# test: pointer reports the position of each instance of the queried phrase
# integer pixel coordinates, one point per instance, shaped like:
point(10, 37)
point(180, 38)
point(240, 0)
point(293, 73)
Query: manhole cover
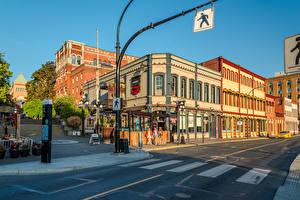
point(64, 142)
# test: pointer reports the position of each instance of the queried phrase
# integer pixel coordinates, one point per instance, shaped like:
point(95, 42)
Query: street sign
point(204, 20)
point(239, 123)
point(117, 104)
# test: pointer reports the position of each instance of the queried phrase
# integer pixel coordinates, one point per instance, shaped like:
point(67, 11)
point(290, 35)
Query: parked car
point(284, 134)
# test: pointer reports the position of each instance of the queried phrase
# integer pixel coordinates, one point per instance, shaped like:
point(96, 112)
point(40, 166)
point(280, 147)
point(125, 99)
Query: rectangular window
point(218, 95)
point(289, 90)
point(174, 86)
point(199, 90)
point(158, 82)
point(206, 92)
point(298, 89)
point(183, 88)
point(213, 94)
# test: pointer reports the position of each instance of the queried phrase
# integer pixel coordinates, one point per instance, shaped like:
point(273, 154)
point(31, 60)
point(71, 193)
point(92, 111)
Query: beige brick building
point(18, 89)
point(153, 86)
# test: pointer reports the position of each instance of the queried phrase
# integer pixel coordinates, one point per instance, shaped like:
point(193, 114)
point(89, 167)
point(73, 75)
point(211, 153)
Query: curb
point(201, 144)
point(101, 160)
point(290, 190)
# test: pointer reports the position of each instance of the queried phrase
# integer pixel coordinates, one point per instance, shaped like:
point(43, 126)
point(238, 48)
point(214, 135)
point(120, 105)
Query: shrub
point(74, 122)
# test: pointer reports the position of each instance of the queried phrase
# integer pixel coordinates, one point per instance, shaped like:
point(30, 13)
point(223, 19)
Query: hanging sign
point(135, 85)
point(204, 20)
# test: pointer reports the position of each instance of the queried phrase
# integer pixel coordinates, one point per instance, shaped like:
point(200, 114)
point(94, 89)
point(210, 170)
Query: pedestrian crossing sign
point(117, 104)
point(204, 20)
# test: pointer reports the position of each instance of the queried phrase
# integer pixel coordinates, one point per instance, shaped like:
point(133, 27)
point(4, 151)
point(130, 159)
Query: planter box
point(14, 153)
point(24, 153)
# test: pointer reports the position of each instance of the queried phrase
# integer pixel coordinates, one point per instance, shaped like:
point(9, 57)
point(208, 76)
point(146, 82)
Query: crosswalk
point(253, 176)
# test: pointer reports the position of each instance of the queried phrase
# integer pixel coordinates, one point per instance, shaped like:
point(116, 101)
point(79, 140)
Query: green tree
point(65, 107)
point(42, 86)
point(34, 108)
point(5, 75)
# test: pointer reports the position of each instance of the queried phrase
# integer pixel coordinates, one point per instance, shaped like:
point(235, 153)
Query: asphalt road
point(240, 170)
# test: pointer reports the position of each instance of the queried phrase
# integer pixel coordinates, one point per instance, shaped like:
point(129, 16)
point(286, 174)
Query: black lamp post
point(82, 103)
point(119, 57)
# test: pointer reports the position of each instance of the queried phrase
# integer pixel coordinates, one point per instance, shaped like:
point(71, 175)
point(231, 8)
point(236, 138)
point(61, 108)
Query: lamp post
point(83, 102)
point(248, 107)
point(119, 57)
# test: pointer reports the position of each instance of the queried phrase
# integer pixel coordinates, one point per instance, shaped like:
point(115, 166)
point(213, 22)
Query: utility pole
point(120, 57)
point(97, 87)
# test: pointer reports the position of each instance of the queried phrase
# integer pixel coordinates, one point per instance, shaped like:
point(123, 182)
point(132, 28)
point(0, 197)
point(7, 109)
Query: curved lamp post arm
point(157, 24)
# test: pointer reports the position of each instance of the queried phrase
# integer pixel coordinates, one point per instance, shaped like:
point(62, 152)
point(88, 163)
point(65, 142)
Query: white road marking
point(187, 167)
point(162, 164)
point(217, 171)
point(254, 176)
point(139, 162)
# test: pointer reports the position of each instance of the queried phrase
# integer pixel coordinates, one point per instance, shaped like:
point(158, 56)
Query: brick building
point(243, 99)
point(275, 115)
point(155, 82)
point(285, 86)
point(76, 64)
point(18, 89)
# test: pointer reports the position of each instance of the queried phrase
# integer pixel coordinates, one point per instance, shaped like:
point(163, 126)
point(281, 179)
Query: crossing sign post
point(117, 104)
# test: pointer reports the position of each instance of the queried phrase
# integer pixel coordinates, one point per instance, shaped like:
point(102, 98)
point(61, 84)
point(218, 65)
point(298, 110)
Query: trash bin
point(124, 147)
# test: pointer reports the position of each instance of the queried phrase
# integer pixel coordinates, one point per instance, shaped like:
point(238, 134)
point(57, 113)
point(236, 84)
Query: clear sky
point(247, 32)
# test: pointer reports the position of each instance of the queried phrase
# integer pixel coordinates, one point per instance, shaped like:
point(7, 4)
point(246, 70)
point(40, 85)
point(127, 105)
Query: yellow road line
point(122, 187)
point(241, 151)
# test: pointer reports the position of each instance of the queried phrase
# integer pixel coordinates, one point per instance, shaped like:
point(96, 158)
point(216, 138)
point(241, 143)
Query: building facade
point(76, 64)
point(18, 89)
point(243, 100)
point(285, 86)
point(153, 86)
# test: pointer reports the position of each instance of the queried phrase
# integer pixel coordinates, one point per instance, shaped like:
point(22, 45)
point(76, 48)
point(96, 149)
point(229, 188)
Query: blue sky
point(247, 32)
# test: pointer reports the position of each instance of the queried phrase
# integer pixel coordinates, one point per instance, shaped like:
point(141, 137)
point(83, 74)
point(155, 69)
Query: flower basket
point(24, 150)
point(2, 151)
point(14, 151)
point(36, 149)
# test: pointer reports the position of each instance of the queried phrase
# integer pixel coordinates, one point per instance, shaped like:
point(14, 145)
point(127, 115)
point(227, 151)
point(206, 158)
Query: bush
point(74, 122)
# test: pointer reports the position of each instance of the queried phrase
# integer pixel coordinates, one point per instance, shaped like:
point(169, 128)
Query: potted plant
point(14, 151)
point(36, 149)
point(2, 151)
point(24, 150)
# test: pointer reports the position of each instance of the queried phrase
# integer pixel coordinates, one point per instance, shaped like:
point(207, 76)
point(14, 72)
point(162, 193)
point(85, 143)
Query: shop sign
point(135, 85)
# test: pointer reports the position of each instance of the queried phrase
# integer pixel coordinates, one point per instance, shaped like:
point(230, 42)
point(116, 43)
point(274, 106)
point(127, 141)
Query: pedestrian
point(160, 135)
point(112, 136)
point(149, 136)
point(155, 134)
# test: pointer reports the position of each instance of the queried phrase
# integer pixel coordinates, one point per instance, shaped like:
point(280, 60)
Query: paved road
point(242, 170)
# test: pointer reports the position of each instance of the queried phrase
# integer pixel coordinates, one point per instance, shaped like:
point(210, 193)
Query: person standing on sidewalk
point(149, 136)
point(155, 134)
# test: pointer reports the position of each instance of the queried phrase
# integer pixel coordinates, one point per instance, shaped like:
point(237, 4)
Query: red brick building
point(76, 64)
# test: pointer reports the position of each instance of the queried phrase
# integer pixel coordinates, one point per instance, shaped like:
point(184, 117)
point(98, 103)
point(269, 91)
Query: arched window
point(73, 59)
point(228, 74)
point(174, 86)
point(183, 87)
point(78, 60)
point(104, 62)
point(95, 62)
point(231, 76)
point(224, 73)
point(199, 91)
point(192, 89)
point(236, 77)
point(99, 61)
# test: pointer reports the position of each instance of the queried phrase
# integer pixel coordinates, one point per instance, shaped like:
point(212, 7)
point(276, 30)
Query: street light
point(119, 57)
point(84, 102)
point(97, 106)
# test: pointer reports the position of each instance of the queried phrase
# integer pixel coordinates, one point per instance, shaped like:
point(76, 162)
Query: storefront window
point(199, 123)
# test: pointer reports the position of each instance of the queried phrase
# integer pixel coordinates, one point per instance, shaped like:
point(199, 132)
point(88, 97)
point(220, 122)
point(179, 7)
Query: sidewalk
point(70, 153)
point(291, 188)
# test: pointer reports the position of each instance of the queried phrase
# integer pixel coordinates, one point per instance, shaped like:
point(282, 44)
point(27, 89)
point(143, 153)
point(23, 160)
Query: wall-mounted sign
point(135, 85)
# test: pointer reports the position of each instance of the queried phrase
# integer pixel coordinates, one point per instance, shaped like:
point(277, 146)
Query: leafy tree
point(65, 107)
point(34, 108)
point(41, 86)
point(5, 75)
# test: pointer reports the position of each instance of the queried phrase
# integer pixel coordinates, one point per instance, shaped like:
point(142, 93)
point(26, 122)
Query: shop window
point(78, 60)
point(95, 62)
point(73, 59)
